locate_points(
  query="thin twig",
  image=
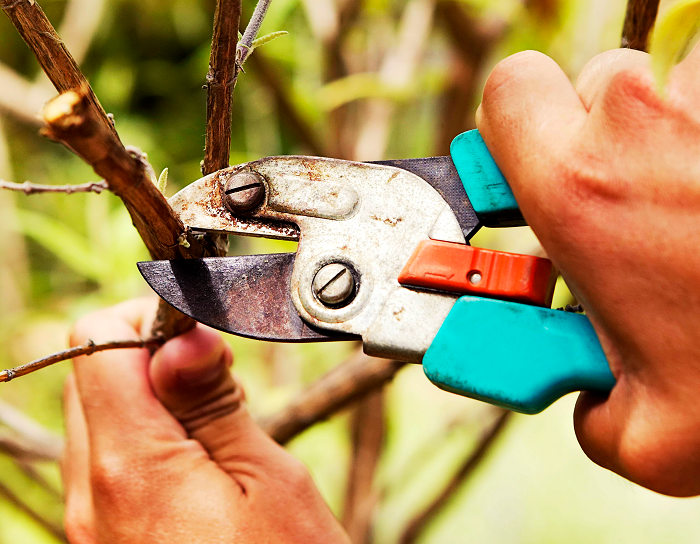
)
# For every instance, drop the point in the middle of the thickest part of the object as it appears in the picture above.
(639, 20)
(243, 49)
(87, 349)
(221, 80)
(416, 526)
(29, 188)
(346, 383)
(55, 529)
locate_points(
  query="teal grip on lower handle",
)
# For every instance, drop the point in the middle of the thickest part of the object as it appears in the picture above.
(487, 189)
(516, 356)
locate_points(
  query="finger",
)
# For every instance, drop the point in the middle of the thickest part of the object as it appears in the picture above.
(529, 111)
(191, 377)
(117, 398)
(597, 74)
(75, 468)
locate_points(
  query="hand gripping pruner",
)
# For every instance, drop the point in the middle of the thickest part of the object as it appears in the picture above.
(383, 255)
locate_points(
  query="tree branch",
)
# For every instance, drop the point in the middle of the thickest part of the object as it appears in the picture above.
(639, 20)
(346, 383)
(221, 80)
(86, 349)
(33, 188)
(487, 439)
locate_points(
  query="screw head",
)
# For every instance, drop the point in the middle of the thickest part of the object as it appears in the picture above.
(244, 191)
(334, 284)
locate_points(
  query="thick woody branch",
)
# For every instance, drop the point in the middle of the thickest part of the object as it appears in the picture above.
(87, 349)
(347, 382)
(487, 439)
(639, 20)
(33, 188)
(221, 80)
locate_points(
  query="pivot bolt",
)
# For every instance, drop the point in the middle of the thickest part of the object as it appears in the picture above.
(334, 284)
(244, 191)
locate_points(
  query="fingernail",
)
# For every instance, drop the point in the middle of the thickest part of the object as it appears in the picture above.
(202, 374)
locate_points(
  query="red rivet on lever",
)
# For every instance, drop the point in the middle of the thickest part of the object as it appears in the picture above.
(460, 268)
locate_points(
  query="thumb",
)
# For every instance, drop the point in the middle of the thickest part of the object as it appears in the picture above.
(190, 376)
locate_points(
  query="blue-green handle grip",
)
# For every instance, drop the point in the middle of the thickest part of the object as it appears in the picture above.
(487, 189)
(516, 356)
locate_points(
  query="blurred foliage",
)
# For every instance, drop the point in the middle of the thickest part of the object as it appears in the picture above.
(63, 256)
(675, 35)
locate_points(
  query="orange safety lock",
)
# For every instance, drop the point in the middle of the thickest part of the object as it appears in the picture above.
(460, 268)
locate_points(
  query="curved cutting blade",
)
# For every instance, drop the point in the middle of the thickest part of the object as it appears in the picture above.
(247, 295)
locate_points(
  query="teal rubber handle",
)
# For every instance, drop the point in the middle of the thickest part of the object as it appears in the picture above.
(516, 356)
(487, 189)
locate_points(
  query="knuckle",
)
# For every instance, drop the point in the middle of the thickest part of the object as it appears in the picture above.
(297, 475)
(506, 74)
(632, 89)
(108, 474)
(585, 177)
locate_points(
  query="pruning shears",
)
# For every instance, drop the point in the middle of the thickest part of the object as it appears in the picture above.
(384, 256)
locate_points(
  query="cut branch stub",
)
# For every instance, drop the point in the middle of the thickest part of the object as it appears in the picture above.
(70, 120)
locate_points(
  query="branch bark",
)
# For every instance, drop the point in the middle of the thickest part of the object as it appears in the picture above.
(487, 439)
(639, 20)
(343, 385)
(86, 349)
(221, 80)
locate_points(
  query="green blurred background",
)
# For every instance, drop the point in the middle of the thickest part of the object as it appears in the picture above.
(361, 79)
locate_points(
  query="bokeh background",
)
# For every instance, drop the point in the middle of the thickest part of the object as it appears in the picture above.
(358, 79)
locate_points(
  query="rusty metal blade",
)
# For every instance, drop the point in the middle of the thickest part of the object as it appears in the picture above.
(247, 295)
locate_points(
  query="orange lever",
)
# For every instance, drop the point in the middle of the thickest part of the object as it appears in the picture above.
(459, 268)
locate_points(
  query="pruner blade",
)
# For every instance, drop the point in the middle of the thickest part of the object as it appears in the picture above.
(247, 295)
